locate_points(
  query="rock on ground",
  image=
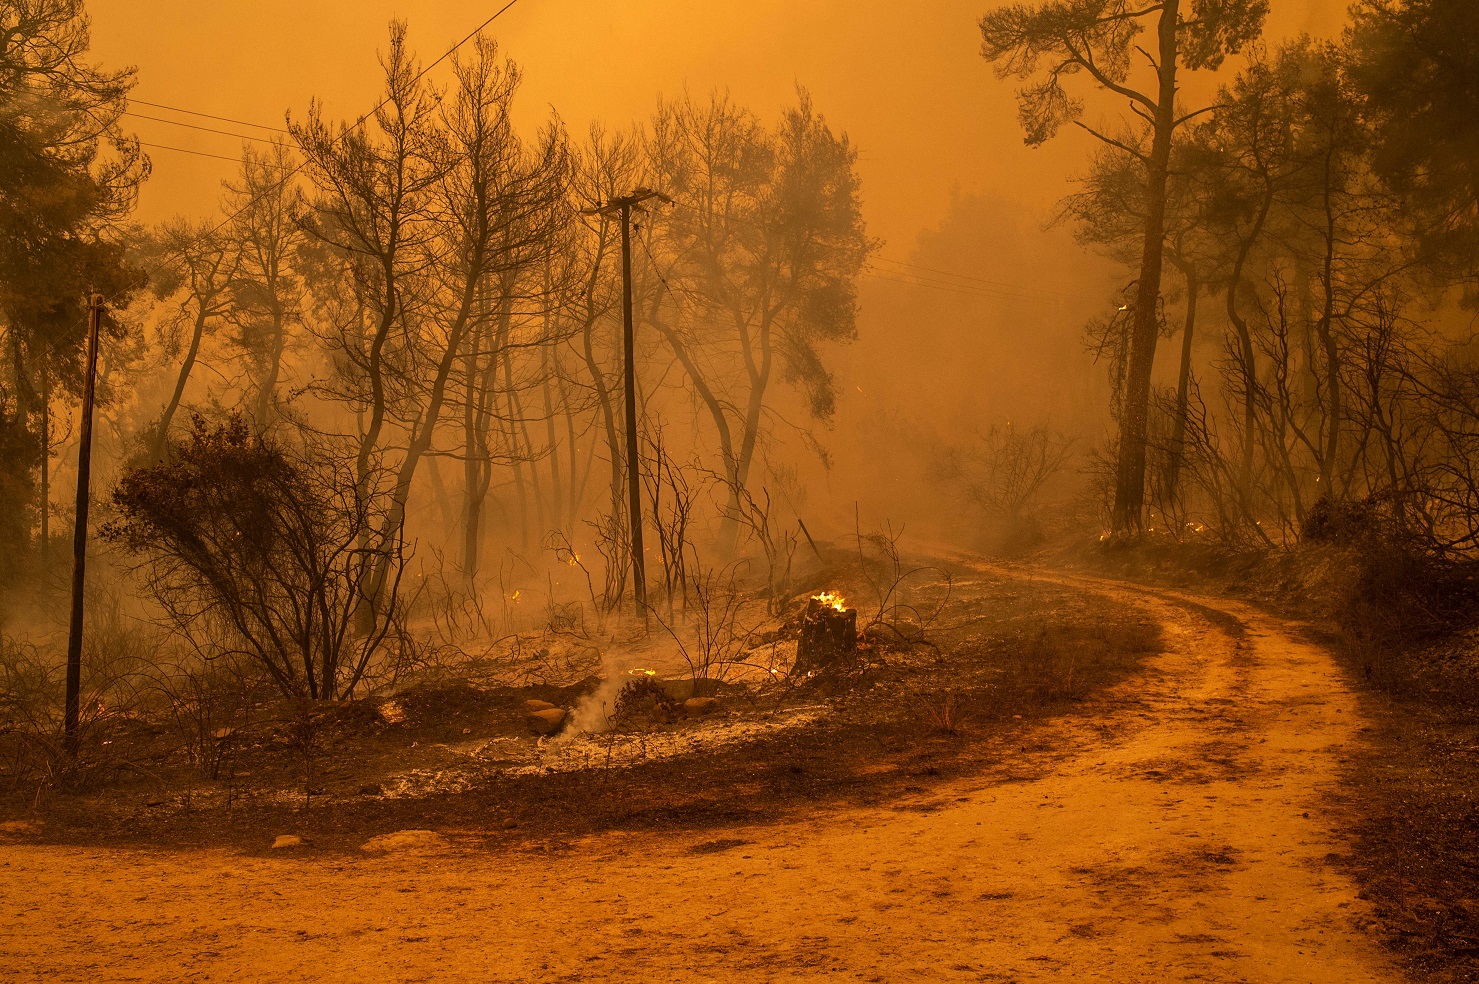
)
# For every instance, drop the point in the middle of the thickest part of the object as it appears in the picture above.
(698, 706)
(546, 722)
(406, 840)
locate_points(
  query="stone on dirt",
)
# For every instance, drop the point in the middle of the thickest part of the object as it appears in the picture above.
(699, 706)
(288, 840)
(546, 722)
(530, 706)
(406, 841)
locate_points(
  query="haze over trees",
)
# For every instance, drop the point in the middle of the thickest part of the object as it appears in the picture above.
(1101, 39)
(411, 323)
(398, 343)
(470, 479)
(71, 176)
(1324, 197)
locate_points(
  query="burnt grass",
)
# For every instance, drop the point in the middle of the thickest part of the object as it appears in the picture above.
(1013, 656)
(1410, 650)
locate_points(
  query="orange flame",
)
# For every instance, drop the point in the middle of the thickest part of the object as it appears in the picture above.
(832, 600)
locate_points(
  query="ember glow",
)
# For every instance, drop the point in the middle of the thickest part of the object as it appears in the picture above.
(832, 600)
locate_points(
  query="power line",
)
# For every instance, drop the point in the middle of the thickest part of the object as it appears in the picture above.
(192, 126)
(209, 116)
(196, 153)
(926, 283)
(335, 140)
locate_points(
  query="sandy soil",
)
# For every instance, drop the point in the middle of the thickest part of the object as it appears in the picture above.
(1195, 839)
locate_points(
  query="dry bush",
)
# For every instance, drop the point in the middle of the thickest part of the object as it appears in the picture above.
(642, 703)
(717, 640)
(1388, 585)
(208, 706)
(254, 547)
(1058, 662)
(558, 543)
(899, 614)
(1003, 471)
(945, 711)
(118, 654)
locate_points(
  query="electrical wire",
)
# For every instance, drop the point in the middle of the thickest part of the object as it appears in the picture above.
(208, 116)
(335, 140)
(192, 126)
(989, 288)
(923, 281)
(195, 153)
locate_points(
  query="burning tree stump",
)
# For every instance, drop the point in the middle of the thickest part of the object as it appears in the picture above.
(829, 637)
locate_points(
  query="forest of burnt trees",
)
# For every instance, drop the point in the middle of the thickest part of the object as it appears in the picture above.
(400, 338)
(384, 379)
(1314, 218)
(474, 546)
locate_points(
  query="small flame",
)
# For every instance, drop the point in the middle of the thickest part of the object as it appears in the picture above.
(639, 671)
(832, 600)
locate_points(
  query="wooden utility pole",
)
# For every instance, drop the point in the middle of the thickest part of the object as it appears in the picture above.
(623, 207)
(79, 536)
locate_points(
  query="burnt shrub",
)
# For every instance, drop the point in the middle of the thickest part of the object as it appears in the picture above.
(261, 550)
(1388, 581)
(643, 703)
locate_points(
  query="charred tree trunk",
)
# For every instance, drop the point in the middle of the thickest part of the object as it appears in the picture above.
(1183, 380)
(45, 504)
(829, 640)
(1129, 492)
(161, 436)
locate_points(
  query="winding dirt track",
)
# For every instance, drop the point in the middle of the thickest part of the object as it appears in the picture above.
(1191, 841)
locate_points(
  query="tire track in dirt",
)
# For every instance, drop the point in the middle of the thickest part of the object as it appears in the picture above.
(1191, 840)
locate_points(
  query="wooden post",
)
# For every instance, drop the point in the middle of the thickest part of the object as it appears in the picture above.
(79, 535)
(45, 467)
(622, 208)
(629, 374)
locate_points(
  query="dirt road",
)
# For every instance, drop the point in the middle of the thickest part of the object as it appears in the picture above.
(1192, 839)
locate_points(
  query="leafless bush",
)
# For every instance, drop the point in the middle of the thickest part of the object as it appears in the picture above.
(209, 706)
(719, 641)
(670, 498)
(253, 548)
(117, 654)
(895, 586)
(616, 555)
(302, 734)
(565, 553)
(1005, 469)
(945, 711)
(456, 606)
(754, 516)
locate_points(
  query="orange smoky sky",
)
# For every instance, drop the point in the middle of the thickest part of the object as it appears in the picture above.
(904, 80)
